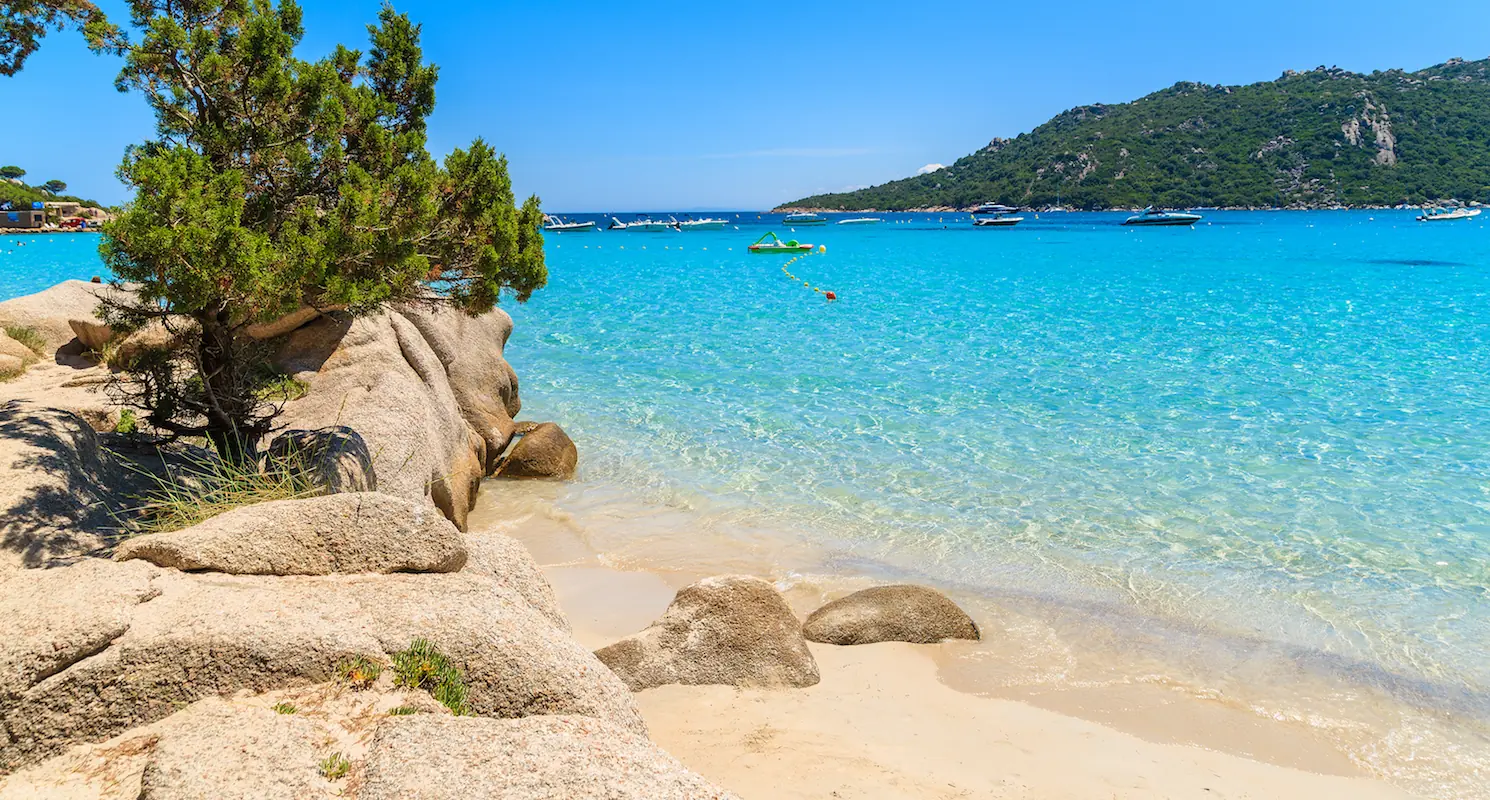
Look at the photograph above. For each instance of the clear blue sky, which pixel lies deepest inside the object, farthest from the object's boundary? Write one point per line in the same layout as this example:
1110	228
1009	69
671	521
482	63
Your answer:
675	106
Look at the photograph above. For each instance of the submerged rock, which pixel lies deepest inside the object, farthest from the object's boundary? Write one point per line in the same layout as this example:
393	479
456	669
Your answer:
335	533
455	758
890	614
729	629
545	451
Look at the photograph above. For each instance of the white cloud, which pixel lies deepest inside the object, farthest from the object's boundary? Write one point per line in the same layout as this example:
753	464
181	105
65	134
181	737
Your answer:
930	168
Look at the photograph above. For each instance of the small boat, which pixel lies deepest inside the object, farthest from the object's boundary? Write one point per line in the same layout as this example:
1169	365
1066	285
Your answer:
994	208
645	224
861	221
805	218
778	246
998	221
1446	214
705	224
557	225
1151	217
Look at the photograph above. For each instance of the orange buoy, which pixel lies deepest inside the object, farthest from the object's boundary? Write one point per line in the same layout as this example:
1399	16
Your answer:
830	295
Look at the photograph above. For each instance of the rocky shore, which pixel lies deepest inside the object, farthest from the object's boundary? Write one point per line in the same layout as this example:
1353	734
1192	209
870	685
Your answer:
359	640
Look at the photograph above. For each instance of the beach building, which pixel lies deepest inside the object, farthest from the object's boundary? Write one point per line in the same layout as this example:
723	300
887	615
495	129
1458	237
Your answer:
34	217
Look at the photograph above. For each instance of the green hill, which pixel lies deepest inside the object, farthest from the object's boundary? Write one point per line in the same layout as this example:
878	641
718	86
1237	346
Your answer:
1320	138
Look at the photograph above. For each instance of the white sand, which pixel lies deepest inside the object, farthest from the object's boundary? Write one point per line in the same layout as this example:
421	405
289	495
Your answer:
881	724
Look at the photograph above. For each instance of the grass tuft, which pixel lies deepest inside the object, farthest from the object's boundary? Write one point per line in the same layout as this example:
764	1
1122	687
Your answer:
285	708
422	666
207	488
359	672
29	337
335	767
402	711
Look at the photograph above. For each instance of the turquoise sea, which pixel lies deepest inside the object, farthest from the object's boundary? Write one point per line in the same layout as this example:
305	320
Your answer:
1257	449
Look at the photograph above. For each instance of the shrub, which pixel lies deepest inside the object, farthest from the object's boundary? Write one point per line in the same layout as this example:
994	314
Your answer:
27	336
335	767
422	666
359	672
127	422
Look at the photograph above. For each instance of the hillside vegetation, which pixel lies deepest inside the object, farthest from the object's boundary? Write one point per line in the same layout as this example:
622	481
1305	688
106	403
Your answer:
1321	138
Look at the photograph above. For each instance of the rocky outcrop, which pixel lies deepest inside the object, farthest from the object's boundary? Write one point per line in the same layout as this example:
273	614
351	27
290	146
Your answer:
525	759
336	533
225	752
484	384
335	459
890	614
14	356
52	312
52	503
176	637
506	562
730	629
545	451
91	333
411	385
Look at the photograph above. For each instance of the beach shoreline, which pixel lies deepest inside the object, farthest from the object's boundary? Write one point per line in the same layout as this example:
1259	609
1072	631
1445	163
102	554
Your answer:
920	718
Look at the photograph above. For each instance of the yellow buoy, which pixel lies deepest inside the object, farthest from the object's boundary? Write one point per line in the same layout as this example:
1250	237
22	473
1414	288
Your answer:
822	248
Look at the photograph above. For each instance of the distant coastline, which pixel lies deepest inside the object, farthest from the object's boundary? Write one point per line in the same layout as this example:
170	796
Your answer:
794	209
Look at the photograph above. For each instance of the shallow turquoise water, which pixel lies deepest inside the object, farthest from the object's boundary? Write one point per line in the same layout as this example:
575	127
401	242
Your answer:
1272	425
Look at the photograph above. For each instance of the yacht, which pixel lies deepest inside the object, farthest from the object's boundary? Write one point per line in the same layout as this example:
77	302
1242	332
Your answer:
1446	214
861	221
644	223
995	215
1151	217
705	224
557	225
805	218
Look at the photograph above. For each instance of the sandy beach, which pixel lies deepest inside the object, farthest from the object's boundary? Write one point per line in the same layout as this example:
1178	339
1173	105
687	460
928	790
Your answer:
884	721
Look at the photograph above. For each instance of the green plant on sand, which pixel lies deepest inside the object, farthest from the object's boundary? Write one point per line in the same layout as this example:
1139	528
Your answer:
127	422
423	666
402	711
359	672
285	708
334	767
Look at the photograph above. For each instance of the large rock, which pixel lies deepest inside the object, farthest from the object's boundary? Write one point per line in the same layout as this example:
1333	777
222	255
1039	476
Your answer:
505	561
14	349
335	459
92	333
52	311
55	618
730	629
543	452
484	384
890	614
210	634
379	376
52	502
226	752
362	532
456	758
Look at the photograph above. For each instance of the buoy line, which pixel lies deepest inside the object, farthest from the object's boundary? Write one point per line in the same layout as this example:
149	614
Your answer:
825	293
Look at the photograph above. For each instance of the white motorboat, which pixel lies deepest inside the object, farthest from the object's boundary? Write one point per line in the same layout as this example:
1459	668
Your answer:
805	218
995	215
705	224
1446	214
644	224
861	221
998	221
557	225
1155	218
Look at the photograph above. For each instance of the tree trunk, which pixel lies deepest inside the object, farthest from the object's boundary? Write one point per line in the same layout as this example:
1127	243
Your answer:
227	393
